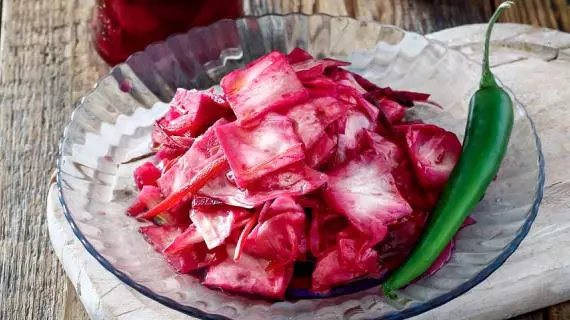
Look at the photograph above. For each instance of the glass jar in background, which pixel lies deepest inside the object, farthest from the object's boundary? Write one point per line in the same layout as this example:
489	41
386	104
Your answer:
122	27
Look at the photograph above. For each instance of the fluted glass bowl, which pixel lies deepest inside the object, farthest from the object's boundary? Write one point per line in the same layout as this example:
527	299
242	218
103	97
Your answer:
113	121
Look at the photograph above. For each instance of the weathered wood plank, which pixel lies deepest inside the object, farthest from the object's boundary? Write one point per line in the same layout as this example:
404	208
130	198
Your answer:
559	312
73	309
553	14
33	81
0	19
537	315
37	76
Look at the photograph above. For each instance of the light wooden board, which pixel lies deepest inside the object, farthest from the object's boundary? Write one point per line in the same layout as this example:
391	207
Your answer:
530	62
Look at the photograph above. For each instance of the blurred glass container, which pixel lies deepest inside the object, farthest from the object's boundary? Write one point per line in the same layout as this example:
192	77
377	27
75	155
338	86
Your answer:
123	27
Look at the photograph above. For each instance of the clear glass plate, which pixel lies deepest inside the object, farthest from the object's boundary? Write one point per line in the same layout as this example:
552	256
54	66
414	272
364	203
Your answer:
113	121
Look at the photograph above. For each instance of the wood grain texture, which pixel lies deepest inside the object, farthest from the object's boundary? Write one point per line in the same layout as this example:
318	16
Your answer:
40	69
558	312
73	309
426	16
47	62
31	283
538	315
553	14
423	16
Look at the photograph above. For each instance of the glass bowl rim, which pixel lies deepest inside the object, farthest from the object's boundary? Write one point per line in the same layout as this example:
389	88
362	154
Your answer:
399	314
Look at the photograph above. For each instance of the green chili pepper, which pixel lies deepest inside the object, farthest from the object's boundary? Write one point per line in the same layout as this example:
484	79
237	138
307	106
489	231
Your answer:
487	134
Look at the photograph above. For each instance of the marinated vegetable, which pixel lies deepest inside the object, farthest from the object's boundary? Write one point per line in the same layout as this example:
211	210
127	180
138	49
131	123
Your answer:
301	175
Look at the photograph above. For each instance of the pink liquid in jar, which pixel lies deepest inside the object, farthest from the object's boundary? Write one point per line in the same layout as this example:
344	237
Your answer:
123	27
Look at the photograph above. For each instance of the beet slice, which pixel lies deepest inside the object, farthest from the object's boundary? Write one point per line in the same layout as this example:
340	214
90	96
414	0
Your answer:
397	158
204	149
136	208
402	235
404	98
226	191
215	223
197	111
355	123
350	134
321	87
150	196
321	151
330	271
185	240
146	175
187	251
394	111
347	79
266	84
298	55
249	276
185	260
167	154
365	192
279	232
355	255
162	139
311	69
409	187
390	153
364	83
434	153
256	151
311	118
196	257
354	96
159	236
294	180
325	226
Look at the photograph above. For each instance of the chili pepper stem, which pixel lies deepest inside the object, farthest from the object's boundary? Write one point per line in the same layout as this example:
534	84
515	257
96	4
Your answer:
487	78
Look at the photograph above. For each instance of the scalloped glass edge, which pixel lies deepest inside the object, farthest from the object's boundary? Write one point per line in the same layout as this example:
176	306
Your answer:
411	311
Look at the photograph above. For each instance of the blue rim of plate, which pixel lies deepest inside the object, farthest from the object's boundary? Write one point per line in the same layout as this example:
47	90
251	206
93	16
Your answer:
359	285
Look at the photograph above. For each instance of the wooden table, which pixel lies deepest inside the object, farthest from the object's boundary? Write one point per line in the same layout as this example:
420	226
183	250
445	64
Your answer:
47	62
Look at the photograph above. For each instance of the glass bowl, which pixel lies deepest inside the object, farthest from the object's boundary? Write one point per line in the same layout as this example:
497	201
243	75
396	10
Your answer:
113	123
